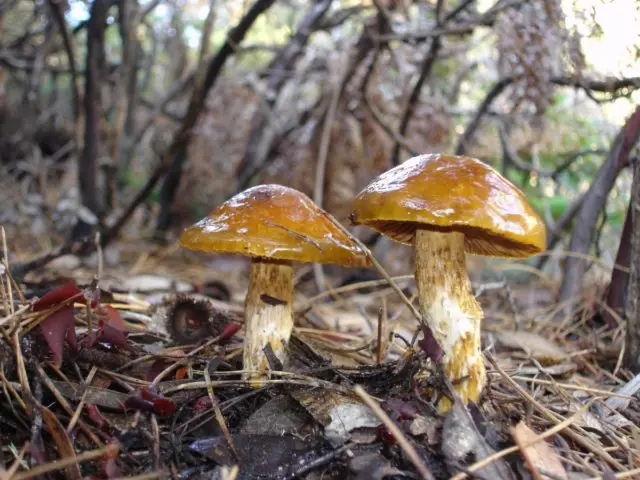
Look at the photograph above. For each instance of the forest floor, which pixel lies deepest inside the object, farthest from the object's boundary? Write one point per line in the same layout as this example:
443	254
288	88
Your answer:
129	367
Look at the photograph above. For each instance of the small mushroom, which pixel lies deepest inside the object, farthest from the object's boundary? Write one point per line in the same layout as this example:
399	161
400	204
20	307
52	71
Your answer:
275	226
447	206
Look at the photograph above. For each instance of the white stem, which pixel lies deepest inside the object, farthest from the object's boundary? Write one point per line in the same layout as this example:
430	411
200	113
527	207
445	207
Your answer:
448	304
268	316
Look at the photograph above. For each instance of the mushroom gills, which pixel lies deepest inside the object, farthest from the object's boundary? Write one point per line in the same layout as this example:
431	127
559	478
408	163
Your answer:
448	304
267	322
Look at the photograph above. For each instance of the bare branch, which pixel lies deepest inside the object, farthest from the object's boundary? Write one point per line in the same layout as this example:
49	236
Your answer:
473	125
58	18
88	168
514	159
264	133
612	86
632	310
414	97
181	139
595	198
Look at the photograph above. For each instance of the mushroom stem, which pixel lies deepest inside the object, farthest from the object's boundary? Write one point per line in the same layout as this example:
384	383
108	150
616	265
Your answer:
453	314
268	315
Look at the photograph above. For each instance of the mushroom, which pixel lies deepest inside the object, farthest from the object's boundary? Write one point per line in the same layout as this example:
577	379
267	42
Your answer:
447	206
275	226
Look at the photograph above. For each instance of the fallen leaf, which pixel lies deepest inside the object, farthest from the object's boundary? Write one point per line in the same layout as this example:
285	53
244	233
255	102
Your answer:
112	327
373	466
56	328
64	293
463	445
340	414
262	456
401	409
151	283
61	439
228	332
542	461
96	417
543	350
430	345
630	388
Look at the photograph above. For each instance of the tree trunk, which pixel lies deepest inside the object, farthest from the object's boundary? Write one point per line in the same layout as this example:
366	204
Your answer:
88	167
619	285
591	208
176	156
632	350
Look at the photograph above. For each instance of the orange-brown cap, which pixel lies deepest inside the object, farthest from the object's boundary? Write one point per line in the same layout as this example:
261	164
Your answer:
452	193
274	222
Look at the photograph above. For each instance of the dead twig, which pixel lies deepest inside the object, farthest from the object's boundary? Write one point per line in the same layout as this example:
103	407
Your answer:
404	443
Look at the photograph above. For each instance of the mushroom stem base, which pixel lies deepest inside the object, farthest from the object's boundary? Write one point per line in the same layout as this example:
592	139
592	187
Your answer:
268	316
448	306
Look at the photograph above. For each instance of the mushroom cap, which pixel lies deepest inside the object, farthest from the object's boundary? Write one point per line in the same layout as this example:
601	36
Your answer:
274	222
452	193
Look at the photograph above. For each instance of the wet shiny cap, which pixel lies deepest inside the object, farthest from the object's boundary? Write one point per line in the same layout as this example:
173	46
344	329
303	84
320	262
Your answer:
274	222
452	193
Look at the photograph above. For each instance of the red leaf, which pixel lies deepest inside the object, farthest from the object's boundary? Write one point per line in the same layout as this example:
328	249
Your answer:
96	417
402	409
385	435
148	394
113	336
112	317
202	404
56	328
430	345
151	402
228	332
112	328
164	407
136	403
161	405
64	293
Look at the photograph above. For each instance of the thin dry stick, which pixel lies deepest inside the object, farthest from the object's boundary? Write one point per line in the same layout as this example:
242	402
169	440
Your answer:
382	318
143	476
580	439
9	388
347	288
109	450
507	451
396	432
15	314
155	434
568	386
197	385
20	366
181	361
380	269
323	155
7	268
78	411
218	413
66	406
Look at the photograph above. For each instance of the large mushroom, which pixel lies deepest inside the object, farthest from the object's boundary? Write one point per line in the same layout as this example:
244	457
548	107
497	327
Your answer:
275	226
447	206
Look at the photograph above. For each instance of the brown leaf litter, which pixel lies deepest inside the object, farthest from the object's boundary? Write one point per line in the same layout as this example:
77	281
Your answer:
172	404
